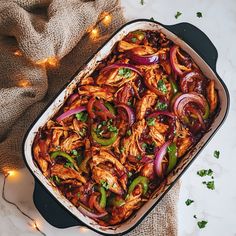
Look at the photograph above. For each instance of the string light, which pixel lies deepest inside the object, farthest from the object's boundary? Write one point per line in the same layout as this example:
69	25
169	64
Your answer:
18	53
34	223
106	18
24	83
50	61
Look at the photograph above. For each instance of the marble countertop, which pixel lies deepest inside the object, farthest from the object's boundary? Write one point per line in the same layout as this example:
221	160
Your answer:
217	207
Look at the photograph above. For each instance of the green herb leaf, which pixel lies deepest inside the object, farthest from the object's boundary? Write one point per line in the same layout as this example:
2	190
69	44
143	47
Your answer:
74	152
134	40
122	149
162	86
142	2
128	132
199	14
104	184
216	154
139	157
203	172
178	14
144	146
82	116
124	72
112	128
56	179
151	121
188	202
129	174
202	224
209	184
78	194
161	106
68	165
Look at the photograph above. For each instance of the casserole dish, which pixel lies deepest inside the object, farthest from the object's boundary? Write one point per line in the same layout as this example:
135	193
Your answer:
185	161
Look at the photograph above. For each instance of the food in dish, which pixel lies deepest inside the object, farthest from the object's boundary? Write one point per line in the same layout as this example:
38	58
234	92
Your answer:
126	126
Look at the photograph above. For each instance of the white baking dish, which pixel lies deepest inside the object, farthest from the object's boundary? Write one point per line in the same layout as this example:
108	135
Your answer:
185	161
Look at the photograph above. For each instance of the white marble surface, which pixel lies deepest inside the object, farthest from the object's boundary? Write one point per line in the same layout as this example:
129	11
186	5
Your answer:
218	207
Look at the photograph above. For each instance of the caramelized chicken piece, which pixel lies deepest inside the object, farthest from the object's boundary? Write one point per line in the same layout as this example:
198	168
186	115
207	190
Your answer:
131	145
123	212
87	81
72	182
183	145
146	102
135	48
101	175
80	127
105	156
212	96
66	173
115	77
56	135
72	142
157	137
78	102
160	127
43	164
124	94
148	170
96	91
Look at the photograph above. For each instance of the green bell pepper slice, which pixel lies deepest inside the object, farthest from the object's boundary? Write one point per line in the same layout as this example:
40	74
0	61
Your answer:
139	180
110	108
55	154
172	152
103	199
104	141
174	86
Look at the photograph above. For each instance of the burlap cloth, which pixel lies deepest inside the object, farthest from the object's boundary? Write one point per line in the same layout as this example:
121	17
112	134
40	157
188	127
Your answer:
54	28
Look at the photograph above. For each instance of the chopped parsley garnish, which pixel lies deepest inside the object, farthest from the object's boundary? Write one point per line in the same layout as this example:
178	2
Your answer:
205	172
199	14
56	179
162	86
178	14
74	152
82	116
188	202
82	132
78	194
104	184
68	165
124	72
139	157
161	106
144	146
209	184
112	128
134	40
128	132
151	121
142	2
152	19
129	174
202	224
216	154
122	149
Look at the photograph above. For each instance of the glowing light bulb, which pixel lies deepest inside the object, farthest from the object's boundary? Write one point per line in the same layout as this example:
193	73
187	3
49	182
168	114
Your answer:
18	53
24	83
11	173
107	19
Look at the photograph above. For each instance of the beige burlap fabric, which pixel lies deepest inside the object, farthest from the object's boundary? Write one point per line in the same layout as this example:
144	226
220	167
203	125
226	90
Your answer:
53	28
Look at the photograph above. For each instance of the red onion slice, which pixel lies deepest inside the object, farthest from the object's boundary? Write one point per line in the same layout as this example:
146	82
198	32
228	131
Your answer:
143	60
159	155
72	98
129	111
70	113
